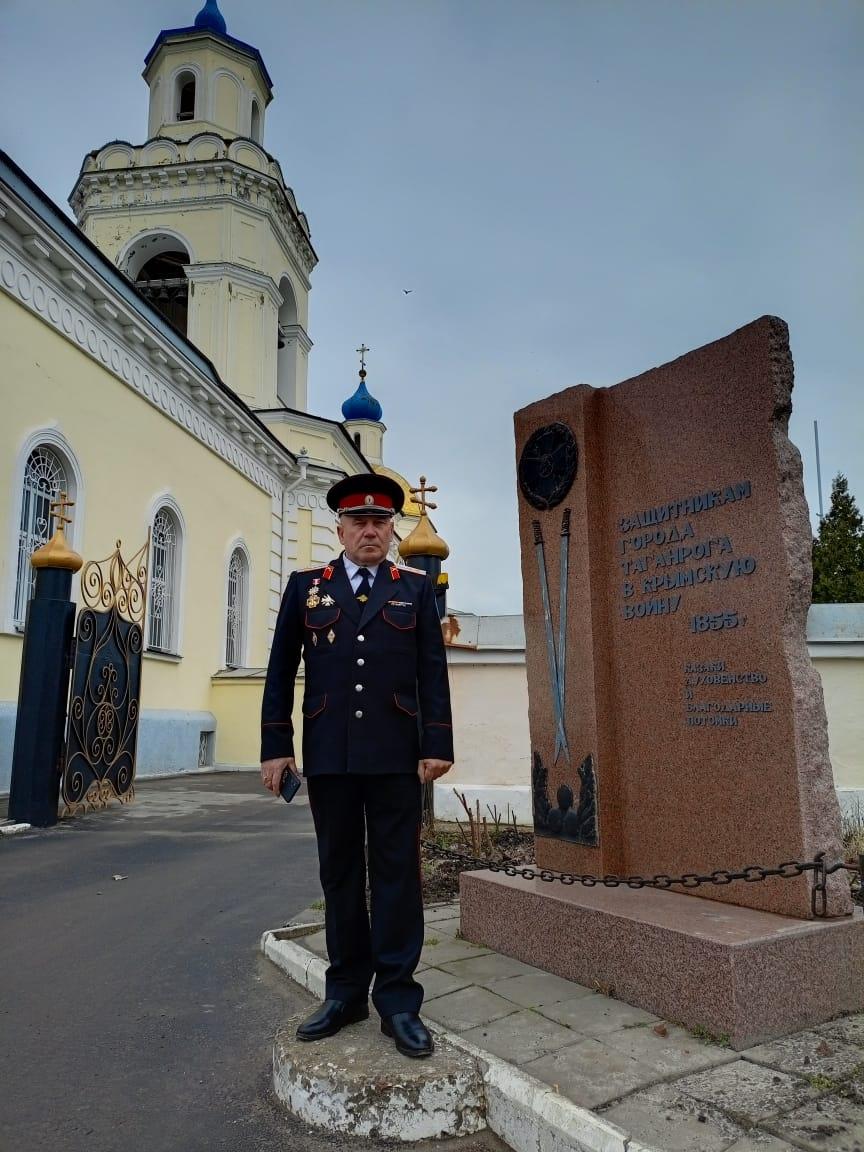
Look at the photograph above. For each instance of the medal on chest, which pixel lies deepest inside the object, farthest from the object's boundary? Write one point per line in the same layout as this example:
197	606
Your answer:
313	598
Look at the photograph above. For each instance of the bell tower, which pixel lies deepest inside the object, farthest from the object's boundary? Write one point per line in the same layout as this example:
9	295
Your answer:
200	217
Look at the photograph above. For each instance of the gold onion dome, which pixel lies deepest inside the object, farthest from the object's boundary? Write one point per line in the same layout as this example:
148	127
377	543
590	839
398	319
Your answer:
424	540
56	554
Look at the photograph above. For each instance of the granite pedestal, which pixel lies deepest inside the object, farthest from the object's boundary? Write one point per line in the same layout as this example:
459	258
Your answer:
735	972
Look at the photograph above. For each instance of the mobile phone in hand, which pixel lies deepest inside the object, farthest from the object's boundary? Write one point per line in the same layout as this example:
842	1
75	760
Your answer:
290	786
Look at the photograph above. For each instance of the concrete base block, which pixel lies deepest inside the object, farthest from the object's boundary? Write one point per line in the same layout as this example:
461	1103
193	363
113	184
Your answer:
745	975
356	1083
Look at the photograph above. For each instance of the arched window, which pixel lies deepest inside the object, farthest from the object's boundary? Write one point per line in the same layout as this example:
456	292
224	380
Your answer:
164	581
45	477
185	96
357	441
255	127
238	584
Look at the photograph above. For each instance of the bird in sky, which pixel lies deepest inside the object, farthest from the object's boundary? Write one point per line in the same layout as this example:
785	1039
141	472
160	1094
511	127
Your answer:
407	291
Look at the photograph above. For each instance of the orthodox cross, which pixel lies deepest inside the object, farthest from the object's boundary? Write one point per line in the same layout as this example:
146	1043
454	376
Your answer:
362	350
58	510
421	493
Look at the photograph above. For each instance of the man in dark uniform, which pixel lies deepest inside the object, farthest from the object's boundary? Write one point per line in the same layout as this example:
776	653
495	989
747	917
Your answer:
376	722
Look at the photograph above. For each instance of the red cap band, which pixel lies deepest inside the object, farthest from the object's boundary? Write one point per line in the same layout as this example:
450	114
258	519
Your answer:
366	500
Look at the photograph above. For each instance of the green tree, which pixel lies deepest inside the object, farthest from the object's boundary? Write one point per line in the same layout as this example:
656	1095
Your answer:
838	550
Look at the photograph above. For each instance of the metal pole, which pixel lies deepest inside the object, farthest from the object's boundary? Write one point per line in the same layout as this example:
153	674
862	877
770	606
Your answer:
818	469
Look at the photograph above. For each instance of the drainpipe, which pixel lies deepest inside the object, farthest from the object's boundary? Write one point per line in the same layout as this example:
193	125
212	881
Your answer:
303	461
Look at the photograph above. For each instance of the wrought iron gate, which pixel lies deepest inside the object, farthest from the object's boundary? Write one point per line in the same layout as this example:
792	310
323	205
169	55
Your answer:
102	722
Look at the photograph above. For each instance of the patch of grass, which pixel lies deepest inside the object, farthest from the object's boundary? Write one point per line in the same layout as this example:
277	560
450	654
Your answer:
432	941
823	1083
852	831
317	905
699	1032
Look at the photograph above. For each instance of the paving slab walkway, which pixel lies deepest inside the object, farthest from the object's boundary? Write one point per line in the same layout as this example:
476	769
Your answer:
644	1082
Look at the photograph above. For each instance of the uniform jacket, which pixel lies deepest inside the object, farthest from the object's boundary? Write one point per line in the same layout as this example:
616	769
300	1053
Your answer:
376	698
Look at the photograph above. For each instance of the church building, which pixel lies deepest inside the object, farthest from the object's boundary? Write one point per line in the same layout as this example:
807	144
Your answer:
155	369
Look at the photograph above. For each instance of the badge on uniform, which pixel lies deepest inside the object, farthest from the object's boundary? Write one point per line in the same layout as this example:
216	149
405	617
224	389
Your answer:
331	636
400	604
312	597
315	639
327	600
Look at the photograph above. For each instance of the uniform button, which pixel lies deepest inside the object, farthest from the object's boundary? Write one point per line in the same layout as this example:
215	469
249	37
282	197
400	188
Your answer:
361	662
358	687
361	638
359	714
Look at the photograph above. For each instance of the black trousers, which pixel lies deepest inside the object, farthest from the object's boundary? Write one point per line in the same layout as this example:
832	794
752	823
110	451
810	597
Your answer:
385	812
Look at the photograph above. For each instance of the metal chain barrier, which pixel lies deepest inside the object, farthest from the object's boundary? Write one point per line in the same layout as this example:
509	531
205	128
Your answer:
753	873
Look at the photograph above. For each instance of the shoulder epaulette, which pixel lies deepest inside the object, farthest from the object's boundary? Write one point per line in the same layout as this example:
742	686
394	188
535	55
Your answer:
418	571
314	568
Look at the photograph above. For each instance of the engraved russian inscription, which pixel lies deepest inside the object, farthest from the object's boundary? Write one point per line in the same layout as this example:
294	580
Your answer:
661	552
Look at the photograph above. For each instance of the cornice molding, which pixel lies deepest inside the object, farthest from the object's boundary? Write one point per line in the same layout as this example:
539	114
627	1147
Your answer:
191	182
224	269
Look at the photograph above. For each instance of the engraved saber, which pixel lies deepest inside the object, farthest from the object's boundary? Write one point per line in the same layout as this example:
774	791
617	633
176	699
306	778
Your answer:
560	737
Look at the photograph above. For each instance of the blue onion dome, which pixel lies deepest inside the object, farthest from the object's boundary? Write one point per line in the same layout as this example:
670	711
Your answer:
361	406
211	18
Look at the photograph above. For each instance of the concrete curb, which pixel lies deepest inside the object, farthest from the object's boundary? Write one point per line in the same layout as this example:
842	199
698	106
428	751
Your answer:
303	966
357	1084
14	829
525	1113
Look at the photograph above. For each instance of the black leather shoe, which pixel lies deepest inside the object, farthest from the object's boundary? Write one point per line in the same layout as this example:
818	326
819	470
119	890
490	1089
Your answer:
409	1033
331	1017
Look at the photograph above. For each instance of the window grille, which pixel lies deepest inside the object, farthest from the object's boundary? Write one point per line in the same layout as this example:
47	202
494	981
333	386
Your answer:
163	576
236	626
44	479
205	750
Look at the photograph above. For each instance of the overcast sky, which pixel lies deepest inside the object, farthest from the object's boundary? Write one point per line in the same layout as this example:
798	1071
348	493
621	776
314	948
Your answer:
574	192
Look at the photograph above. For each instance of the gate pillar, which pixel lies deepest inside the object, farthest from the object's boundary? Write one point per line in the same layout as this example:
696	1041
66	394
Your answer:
44	683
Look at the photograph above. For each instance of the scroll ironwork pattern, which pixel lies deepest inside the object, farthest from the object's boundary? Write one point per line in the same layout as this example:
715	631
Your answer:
102	726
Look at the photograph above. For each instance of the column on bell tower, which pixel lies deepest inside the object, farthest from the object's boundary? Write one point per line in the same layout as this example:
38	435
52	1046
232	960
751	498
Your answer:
199	215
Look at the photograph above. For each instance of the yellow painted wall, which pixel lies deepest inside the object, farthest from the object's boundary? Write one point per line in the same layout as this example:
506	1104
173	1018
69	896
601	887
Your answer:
226	103
233	323
129	454
10	665
237	705
325	447
208	58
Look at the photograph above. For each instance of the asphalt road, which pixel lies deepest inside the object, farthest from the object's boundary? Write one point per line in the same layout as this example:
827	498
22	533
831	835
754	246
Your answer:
137	1013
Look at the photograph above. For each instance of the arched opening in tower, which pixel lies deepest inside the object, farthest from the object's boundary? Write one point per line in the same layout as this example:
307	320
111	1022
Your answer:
286	347
162	280
186	96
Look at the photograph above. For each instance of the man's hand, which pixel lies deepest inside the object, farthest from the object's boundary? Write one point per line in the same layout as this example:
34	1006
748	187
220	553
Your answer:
272	772
431	769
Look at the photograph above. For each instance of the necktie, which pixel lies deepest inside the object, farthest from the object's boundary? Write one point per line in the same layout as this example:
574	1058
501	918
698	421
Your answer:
364	587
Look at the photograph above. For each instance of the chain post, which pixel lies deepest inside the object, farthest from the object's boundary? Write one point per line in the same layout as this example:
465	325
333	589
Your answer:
819	893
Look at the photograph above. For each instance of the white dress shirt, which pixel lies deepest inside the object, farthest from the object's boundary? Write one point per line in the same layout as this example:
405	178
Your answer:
354	576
